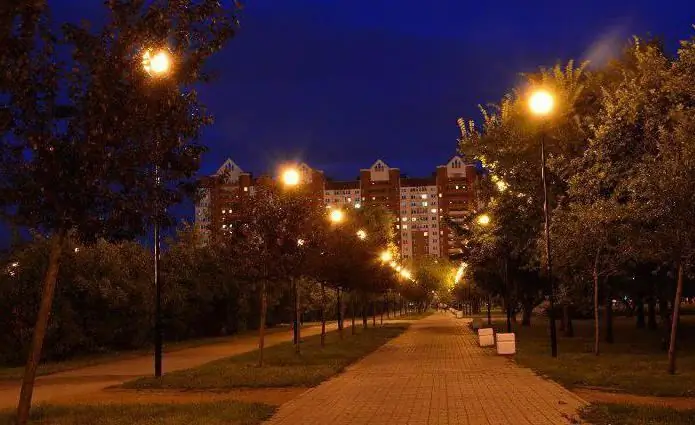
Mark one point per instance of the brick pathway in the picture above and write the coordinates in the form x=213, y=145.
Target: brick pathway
x=433, y=374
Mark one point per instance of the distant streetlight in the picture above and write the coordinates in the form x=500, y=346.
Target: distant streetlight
x=157, y=64
x=483, y=219
x=386, y=256
x=541, y=104
x=361, y=234
x=290, y=177
x=337, y=216
x=300, y=242
x=501, y=185
x=405, y=273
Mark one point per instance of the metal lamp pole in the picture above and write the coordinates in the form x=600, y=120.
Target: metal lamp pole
x=551, y=311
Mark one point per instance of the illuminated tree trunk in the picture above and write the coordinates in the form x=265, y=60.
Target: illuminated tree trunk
x=597, y=326
x=47, y=293
x=261, y=327
x=323, y=314
x=674, y=321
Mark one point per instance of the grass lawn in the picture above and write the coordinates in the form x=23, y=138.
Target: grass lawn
x=634, y=363
x=282, y=367
x=14, y=373
x=218, y=413
x=624, y=414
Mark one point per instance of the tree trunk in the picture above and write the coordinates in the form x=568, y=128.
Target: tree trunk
x=641, y=322
x=597, y=327
x=297, y=319
x=323, y=314
x=569, y=327
x=385, y=306
x=261, y=327
x=352, y=312
x=373, y=314
x=609, y=316
x=651, y=313
x=365, y=319
x=526, y=312
x=340, y=314
x=489, y=312
x=49, y=284
x=665, y=323
x=674, y=321
x=509, y=315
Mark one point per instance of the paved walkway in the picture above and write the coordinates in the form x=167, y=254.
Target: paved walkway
x=433, y=374
x=70, y=385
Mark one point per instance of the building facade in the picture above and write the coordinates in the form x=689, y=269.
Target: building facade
x=420, y=206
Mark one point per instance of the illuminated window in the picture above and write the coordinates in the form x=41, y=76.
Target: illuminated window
x=457, y=187
x=433, y=210
x=246, y=189
x=406, y=218
x=440, y=195
x=424, y=204
x=414, y=218
x=405, y=226
x=423, y=196
x=425, y=234
x=224, y=211
x=398, y=226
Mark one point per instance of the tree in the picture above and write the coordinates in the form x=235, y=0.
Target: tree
x=91, y=171
x=268, y=236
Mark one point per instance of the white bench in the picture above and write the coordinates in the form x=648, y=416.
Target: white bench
x=506, y=344
x=486, y=337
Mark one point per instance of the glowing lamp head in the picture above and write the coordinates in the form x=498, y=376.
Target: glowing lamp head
x=406, y=274
x=336, y=216
x=156, y=63
x=541, y=102
x=386, y=256
x=483, y=219
x=300, y=242
x=290, y=177
x=361, y=234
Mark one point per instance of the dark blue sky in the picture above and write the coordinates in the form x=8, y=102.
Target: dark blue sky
x=339, y=83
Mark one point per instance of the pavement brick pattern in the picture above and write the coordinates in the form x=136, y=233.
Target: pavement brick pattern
x=433, y=374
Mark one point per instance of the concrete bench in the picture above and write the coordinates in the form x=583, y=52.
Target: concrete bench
x=486, y=337
x=506, y=344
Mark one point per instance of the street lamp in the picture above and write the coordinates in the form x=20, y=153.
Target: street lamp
x=483, y=219
x=361, y=234
x=336, y=216
x=157, y=64
x=386, y=256
x=290, y=177
x=541, y=103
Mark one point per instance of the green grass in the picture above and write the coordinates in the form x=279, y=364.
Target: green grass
x=14, y=373
x=282, y=366
x=217, y=413
x=625, y=414
x=634, y=363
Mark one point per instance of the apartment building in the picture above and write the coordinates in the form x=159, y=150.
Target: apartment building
x=419, y=206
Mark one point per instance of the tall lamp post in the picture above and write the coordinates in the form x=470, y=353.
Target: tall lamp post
x=291, y=178
x=541, y=104
x=157, y=63
x=336, y=217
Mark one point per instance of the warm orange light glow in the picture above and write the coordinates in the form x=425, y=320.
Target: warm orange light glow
x=362, y=234
x=483, y=219
x=541, y=102
x=290, y=177
x=337, y=216
x=386, y=256
x=156, y=63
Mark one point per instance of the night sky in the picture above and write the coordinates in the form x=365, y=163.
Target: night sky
x=340, y=83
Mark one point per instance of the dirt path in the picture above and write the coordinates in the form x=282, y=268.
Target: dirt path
x=596, y=396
